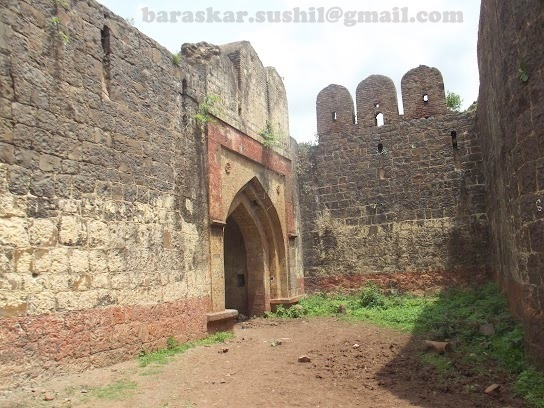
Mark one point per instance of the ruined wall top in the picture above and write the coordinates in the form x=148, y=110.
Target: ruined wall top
x=423, y=96
x=251, y=95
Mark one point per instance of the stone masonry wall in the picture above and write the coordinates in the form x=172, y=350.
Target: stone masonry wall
x=511, y=125
x=104, y=216
x=103, y=228
x=404, y=197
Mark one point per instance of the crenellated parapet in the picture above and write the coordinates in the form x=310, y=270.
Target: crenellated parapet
x=423, y=93
x=335, y=110
x=402, y=195
x=377, y=95
x=377, y=104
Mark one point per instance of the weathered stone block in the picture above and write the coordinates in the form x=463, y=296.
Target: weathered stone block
x=73, y=231
x=49, y=163
x=43, y=232
x=14, y=232
x=79, y=262
x=99, y=234
x=41, y=303
x=54, y=261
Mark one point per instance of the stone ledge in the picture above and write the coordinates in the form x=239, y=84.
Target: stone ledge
x=217, y=223
x=286, y=301
x=224, y=315
x=221, y=321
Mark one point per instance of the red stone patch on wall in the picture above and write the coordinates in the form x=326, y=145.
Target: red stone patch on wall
x=224, y=136
x=41, y=346
x=410, y=281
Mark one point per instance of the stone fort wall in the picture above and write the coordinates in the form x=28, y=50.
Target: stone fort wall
x=405, y=197
x=104, y=206
x=511, y=123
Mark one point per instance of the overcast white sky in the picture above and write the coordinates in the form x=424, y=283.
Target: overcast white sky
x=311, y=56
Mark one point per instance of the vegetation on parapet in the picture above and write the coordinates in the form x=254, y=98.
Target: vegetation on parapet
x=270, y=136
x=207, y=109
x=176, y=60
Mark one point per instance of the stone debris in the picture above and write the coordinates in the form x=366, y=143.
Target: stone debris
x=356, y=346
x=242, y=318
x=492, y=388
x=276, y=343
x=440, y=347
x=48, y=397
x=304, y=359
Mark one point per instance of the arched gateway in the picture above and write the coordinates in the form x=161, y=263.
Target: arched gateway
x=255, y=272
x=254, y=252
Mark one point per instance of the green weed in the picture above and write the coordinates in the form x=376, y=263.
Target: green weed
x=173, y=348
x=530, y=385
x=116, y=391
x=64, y=37
x=523, y=76
x=270, y=137
x=151, y=372
x=372, y=296
x=176, y=60
x=207, y=109
x=62, y=3
x=442, y=364
x=54, y=21
x=292, y=312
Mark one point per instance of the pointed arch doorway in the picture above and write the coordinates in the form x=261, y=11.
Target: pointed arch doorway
x=253, y=269
x=254, y=252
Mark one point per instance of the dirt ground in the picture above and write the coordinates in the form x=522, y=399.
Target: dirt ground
x=352, y=365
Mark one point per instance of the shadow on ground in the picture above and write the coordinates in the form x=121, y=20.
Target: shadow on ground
x=483, y=339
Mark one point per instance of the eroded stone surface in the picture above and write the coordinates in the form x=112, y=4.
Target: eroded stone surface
x=511, y=120
x=104, y=182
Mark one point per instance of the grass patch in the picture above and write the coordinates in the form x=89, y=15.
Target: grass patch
x=399, y=312
x=530, y=384
x=150, y=372
x=455, y=314
x=173, y=348
x=442, y=364
x=116, y=391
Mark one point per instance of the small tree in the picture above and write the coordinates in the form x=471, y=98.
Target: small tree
x=453, y=101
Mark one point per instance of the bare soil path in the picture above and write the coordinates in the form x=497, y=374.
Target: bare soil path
x=352, y=365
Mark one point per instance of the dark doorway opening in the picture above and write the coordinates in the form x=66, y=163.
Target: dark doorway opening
x=236, y=294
